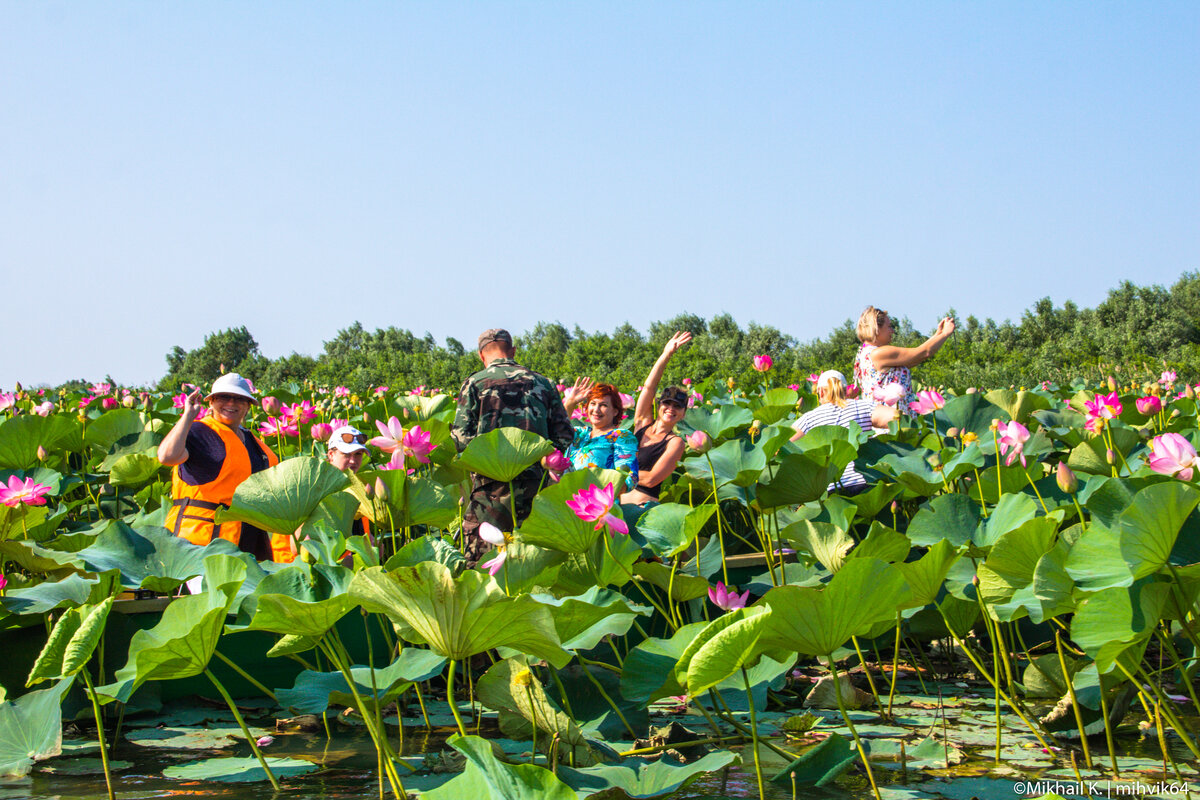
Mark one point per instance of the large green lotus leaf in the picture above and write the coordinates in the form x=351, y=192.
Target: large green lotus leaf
x=418, y=501
x=820, y=765
x=1019, y=404
x=71, y=642
x=73, y=590
x=999, y=481
x=727, y=651
x=863, y=593
x=925, y=575
x=282, y=498
x=971, y=413
x=774, y=405
x=315, y=692
x=553, y=525
x=231, y=769
x=334, y=514
x=412, y=408
x=599, y=566
x=648, y=673
x=428, y=548
x=528, y=566
x=143, y=444
x=670, y=528
x=1013, y=511
x=1111, y=621
x=504, y=453
x=638, y=778
x=1150, y=525
x=459, y=617
x=112, y=426
x=510, y=688
x=913, y=471
x=948, y=517
x=1052, y=586
x=827, y=543
x=182, y=643
x=679, y=586
x=1105, y=497
x=798, y=478
x=152, y=558
x=1095, y=561
x=871, y=502
x=969, y=460
x=737, y=461
x=281, y=613
x=725, y=420
x=20, y=438
x=1091, y=455
x=708, y=632
x=486, y=776
x=133, y=470
x=31, y=728
x=64, y=432
x=884, y=543
x=582, y=621
x=1014, y=556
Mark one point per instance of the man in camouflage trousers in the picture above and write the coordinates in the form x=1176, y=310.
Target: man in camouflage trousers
x=505, y=395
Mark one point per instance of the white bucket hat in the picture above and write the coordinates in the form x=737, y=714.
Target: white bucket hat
x=347, y=439
x=231, y=383
x=828, y=374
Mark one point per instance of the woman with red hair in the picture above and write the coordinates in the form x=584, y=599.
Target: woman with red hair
x=602, y=444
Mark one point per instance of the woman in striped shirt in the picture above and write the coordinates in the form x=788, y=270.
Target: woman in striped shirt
x=835, y=409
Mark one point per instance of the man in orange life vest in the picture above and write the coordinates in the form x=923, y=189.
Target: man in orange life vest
x=210, y=460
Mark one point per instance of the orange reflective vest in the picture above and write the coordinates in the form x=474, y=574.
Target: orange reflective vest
x=194, y=508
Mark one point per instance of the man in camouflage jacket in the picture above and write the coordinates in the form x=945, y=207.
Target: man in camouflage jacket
x=505, y=395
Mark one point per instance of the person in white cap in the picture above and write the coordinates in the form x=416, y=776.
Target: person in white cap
x=835, y=409
x=210, y=461
x=347, y=445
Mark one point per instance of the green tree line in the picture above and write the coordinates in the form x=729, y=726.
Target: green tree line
x=1135, y=332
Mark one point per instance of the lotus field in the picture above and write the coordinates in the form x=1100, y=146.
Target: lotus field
x=1012, y=606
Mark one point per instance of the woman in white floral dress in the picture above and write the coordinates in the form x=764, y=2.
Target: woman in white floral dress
x=879, y=364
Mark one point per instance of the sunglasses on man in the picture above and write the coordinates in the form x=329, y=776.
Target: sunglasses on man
x=350, y=438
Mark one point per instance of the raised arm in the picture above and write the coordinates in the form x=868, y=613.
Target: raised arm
x=577, y=394
x=643, y=414
x=888, y=356
x=172, y=450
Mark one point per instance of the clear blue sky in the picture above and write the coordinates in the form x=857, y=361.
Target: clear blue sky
x=171, y=169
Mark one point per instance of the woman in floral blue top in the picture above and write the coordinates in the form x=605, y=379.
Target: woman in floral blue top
x=602, y=444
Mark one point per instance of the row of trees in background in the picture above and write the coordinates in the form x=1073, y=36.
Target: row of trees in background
x=1135, y=330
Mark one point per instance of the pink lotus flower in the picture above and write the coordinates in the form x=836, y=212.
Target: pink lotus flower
x=321, y=431
x=497, y=538
x=578, y=413
x=763, y=363
x=795, y=387
x=556, y=462
x=722, y=598
x=694, y=398
x=1094, y=424
x=3, y=583
x=341, y=391
x=686, y=381
x=380, y=390
x=391, y=435
x=1012, y=438
x=889, y=394
x=1171, y=454
x=279, y=426
x=1107, y=406
x=44, y=408
x=23, y=491
x=1168, y=377
x=300, y=413
x=109, y=402
x=416, y=444
x=813, y=377
x=1067, y=480
x=83, y=401
x=699, y=441
x=417, y=390
x=7, y=400
x=397, y=462
x=626, y=399
x=271, y=405
x=594, y=504
x=928, y=401
x=851, y=391
x=338, y=422
x=1148, y=405
x=101, y=388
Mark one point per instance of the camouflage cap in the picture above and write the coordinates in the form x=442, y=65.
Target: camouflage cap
x=673, y=394
x=494, y=335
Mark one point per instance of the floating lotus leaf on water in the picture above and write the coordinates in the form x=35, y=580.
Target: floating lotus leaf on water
x=504, y=453
x=583, y=620
x=972, y=788
x=31, y=729
x=281, y=498
x=459, y=617
x=314, y=692
x=487, y=776
x=639, y=778
x=181, y=737
x=238, y=770
x=928, y=753
x=83, y=766
x=182, y=643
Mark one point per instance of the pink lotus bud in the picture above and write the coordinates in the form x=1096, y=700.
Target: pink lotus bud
x=263, y=741
x=952, y=433
x=129, y=401
x=556, y=462
x=852, y=391
x=763, y=363
x=381, y=489
x=1110, y=456
x=1112, y=383
x=1067, y=480
x=43, y=409
x=109, y=403
x=699, y=441
x=41, y=453
x=272, y=405
x=686, y=381
x=321, y=431
x=1148, y=405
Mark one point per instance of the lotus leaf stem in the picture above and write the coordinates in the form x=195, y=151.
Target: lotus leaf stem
x=754, y=734
x=242, y=724
x=863, y=662
x=658, y=748
x=603, y=694
x=895, y=666
x=862, y=753
x=245, y=675
x=720, y=538
x=1174, y=721
x=450, y=697
x=1162, y=743
x=1062, y=665
x=91, y=691
x=1177, y=663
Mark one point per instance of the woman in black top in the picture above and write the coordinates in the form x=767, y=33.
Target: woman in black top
x=659, y=448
